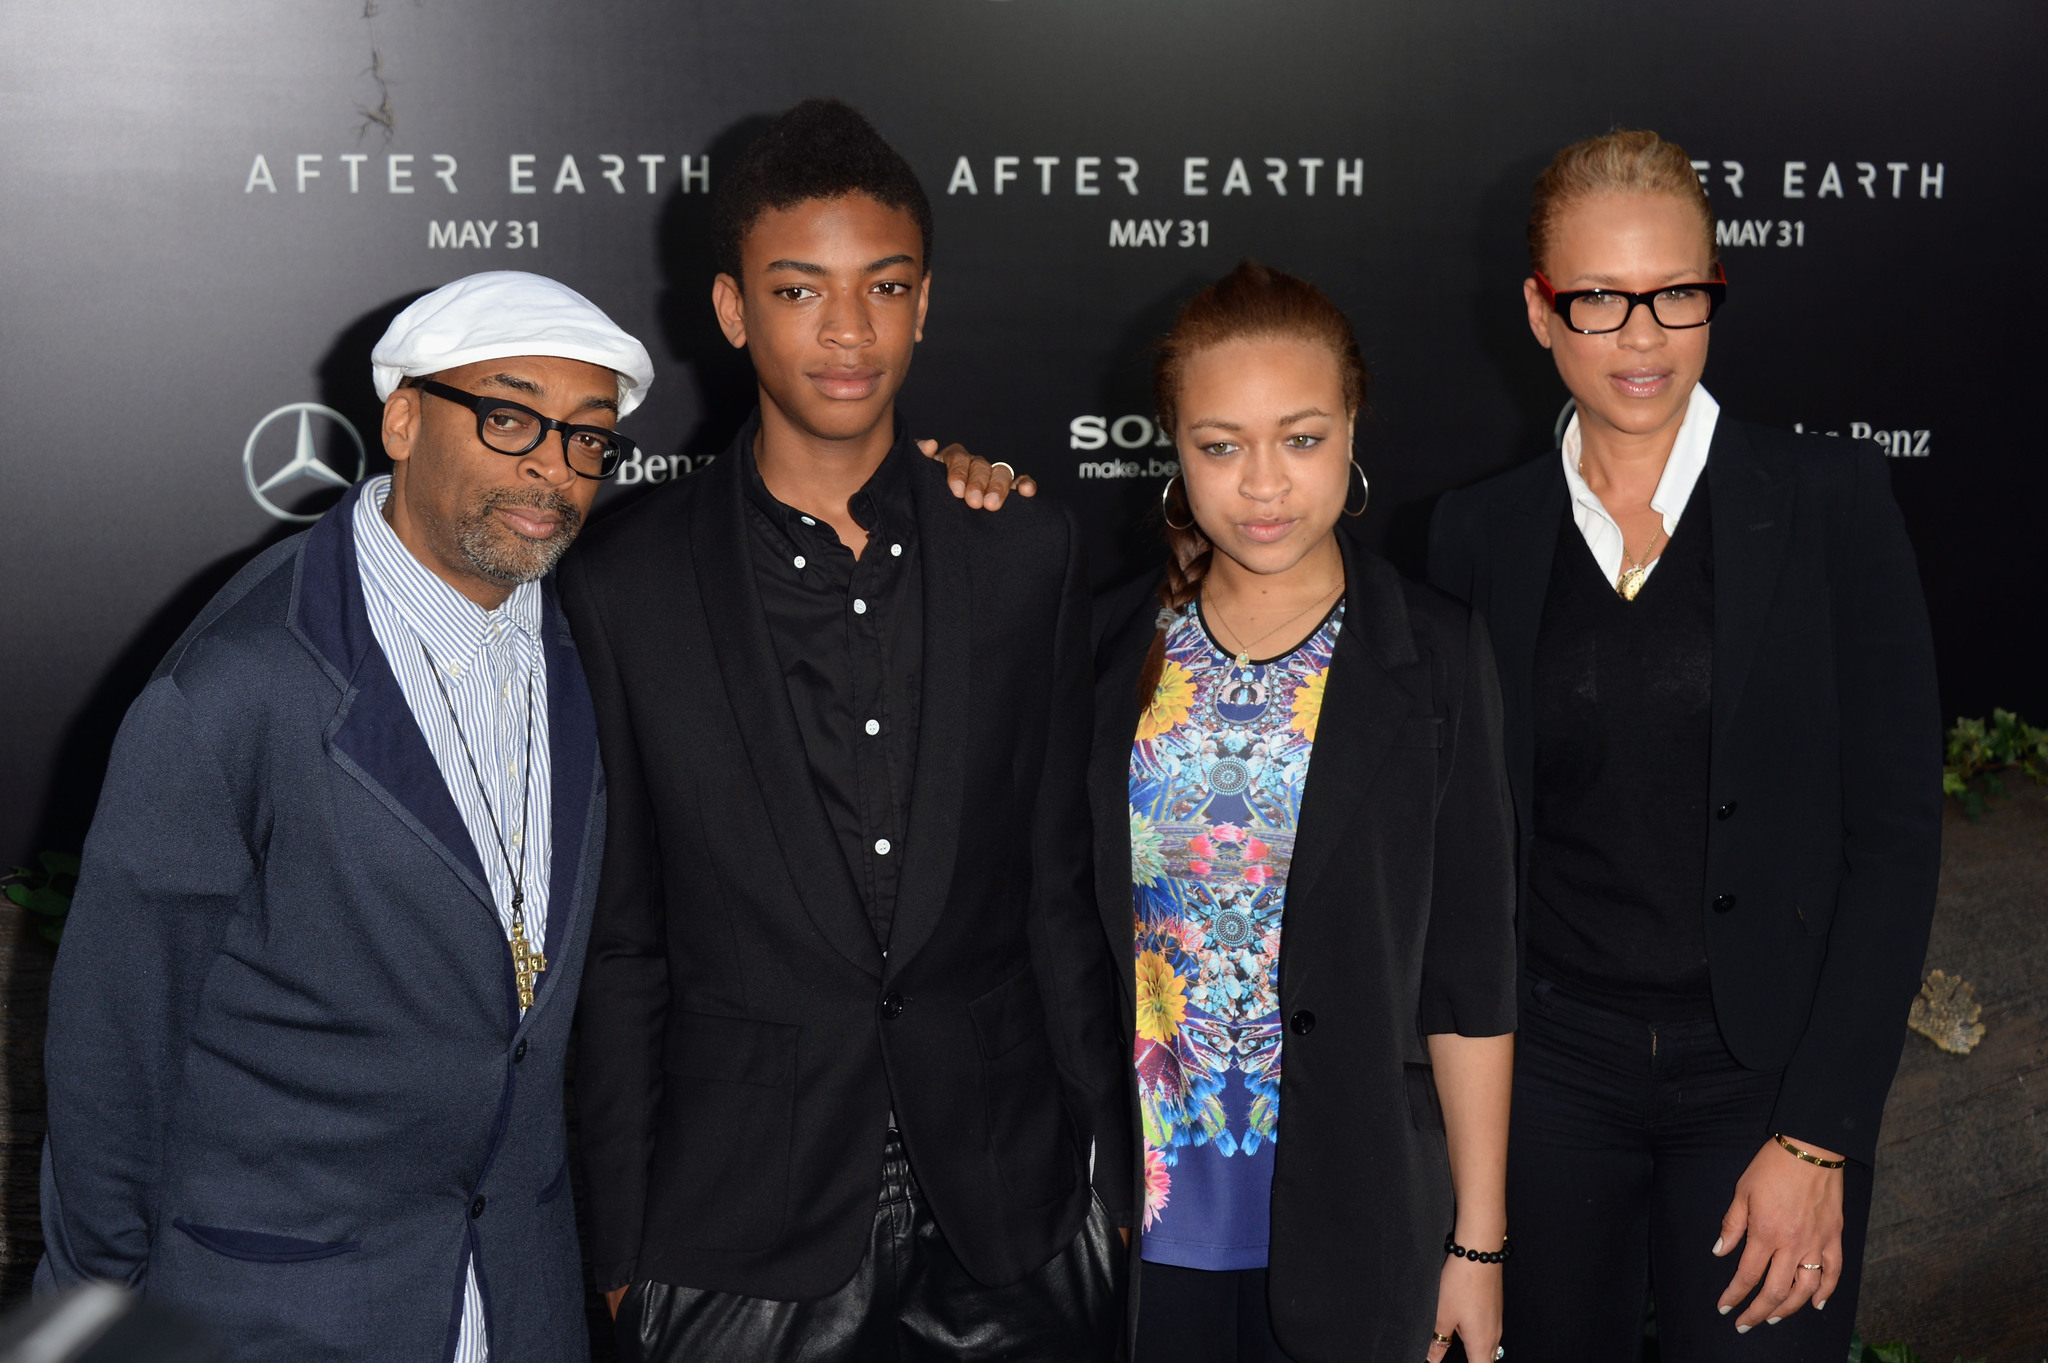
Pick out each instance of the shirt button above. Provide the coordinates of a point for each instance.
(881, 847)
(476, 1209)
(860, 607)
(892, 1005)
(896, 551)
(1302, 1023)
(874, 726)
(1724, 903)
(806, 520)
(799, 560)
(1726, 811)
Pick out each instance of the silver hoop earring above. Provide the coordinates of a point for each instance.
(1167, 516)
(1364, 487)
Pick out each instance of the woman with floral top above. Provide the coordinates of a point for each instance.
(1304, 833)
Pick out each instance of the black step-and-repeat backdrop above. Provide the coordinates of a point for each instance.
(208, 212)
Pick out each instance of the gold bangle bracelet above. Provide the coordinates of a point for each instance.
(1807, 1155)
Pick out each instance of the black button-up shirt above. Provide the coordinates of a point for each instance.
(849, 634)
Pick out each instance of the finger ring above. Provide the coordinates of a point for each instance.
(1005, 464)
(1817, 1268)
(1441, 1339)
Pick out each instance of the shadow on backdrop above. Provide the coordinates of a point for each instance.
(1500, 259)
(343, 377)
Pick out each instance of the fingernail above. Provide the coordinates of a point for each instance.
(1717, 1250)
(1742, 1329)
(1724, 1310)
(1820, 1306)
(1774, 1320)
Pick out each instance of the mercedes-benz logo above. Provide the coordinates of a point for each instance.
(305, 462)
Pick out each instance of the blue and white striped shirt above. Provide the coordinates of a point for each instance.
(485, 659)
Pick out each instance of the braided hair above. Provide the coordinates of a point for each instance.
(1251, 302)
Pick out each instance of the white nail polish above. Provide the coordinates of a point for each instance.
(1742, 1329)
(1820, 1306)
(1774, 1320)
(1717, 1244)
(1724, 1310)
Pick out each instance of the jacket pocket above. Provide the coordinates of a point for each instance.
(720, 1177)
(555, 1185)
(1424, 1109)
(1030, 1134)
(260, 1247)
(1420, 731)
(1008, 1015)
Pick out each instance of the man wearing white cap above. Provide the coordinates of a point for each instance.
(308, 1027)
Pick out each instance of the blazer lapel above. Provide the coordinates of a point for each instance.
(1364, 707)
(1119, 660)
(759, 700)
(1752, 506)
(937, 781)
(575, 777)
(374, 736)
(1524, 548)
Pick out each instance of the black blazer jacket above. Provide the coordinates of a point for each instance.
(1398, 923)
(744, 1039)
(1825, 782)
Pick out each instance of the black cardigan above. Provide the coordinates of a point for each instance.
(1824, 835)
(1398, 924)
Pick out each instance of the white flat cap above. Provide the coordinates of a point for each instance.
(502, 313)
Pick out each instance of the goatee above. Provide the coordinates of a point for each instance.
(503, 555)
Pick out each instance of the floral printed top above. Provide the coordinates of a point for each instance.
(1216, 780)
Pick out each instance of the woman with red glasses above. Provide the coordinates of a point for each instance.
(1723, 745)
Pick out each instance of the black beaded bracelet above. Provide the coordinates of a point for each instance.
(1497, 1256)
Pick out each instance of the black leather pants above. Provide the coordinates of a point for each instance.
(910, 1301)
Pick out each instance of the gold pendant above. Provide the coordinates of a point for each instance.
(1244, 659)
(527, 964)
(1631, 581)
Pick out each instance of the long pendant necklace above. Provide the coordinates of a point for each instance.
(527, 963)
(1630, 579)
(1243, 656)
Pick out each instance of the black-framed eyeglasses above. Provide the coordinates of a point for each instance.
(1593, 312)
(514, 428)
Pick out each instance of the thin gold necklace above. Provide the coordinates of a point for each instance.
(1243, 652)
(1630, 580)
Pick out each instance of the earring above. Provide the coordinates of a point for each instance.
(1167, 516)
(1365, 488)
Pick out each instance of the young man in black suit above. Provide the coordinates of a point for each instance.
(816, 673)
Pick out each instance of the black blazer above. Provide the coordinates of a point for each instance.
(744, 1040)
(1826, 767)
(1398, 923)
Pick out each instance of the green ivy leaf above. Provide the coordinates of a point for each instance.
(41, 900)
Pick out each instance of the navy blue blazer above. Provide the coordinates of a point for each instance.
(290, 1090)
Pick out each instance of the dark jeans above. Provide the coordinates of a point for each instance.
(910, 1301)
(1193, 1315)
(1626, 1142)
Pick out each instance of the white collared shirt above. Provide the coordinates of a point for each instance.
(1681, 473)
(485, 659)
